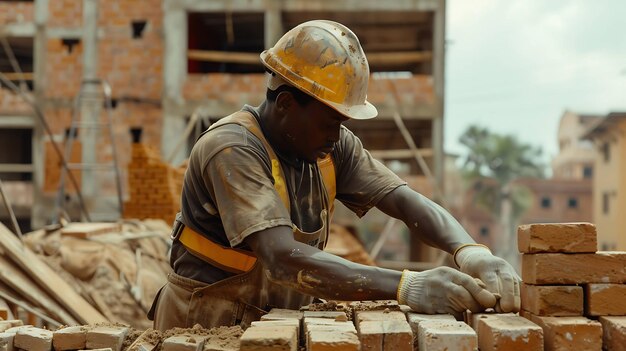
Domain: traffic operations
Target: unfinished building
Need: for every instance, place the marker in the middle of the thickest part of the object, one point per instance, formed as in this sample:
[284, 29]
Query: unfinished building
[169, 60]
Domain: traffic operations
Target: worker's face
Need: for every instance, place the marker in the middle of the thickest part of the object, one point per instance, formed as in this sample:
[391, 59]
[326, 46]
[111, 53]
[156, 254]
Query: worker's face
[313, 129]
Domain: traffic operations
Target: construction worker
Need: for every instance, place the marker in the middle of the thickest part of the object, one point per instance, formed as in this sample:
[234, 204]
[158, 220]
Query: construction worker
[258, 198]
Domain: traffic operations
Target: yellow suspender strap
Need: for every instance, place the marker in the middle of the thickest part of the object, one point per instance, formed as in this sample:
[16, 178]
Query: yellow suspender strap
[236, 260]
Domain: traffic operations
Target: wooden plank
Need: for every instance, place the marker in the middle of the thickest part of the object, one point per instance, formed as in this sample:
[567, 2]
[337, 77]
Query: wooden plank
[398, 57]
[48, 279]
[19, 76]
[224, 56]
[18, 281]
[400, 153]
[86, 230]
[374, 58]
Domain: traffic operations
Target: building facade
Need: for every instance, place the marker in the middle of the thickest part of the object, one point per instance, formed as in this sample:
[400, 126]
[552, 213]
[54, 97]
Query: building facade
[609, 184]
[168, 60]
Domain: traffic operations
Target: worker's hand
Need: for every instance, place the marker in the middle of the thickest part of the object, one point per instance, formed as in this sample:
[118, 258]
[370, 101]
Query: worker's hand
[443, 290]
[498, 275]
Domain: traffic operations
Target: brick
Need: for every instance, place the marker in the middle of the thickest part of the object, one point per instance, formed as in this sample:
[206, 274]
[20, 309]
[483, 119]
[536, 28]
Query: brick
[33, 339]
[569, 333]
[336, 315]
[554, 268]
[279, 313]
[381, 315]
[103, 337]
[385, 335]
[436, 335]
[508, 332]
[605, 300]
[4, 325]
[325, 338]
[283, 338]
[6, 341]
[414, 319]
[327, 323]
[183, 342]
[70, 338]
[557, 237]
[278, 323]
[552, 300]
[472, 319]
[614, 333]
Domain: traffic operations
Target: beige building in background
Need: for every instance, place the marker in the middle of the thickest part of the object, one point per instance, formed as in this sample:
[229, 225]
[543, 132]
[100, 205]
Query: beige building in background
[609, 184]
[576, 156]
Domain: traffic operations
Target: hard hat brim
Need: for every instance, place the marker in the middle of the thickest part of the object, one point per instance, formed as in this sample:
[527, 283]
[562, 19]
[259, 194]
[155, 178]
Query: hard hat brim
[365, 111]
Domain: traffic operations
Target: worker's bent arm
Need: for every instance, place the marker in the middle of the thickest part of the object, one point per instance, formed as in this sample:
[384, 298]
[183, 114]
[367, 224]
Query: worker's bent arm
[314, 272]
[433, 224]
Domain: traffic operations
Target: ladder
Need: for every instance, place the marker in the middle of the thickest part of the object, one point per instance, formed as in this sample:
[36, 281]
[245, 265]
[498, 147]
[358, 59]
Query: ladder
[94, 93]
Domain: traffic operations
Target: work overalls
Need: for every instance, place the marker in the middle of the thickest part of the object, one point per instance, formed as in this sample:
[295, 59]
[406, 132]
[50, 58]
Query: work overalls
[244, 297]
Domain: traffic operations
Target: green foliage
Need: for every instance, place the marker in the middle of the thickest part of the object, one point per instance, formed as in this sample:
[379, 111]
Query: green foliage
[493, 162]
[501, 157]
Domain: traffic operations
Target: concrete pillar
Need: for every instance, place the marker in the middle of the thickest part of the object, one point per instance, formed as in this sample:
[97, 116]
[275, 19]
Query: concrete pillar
[273, 23]
[41, 206]
[90, 109]
[174, 74]
[439, 37]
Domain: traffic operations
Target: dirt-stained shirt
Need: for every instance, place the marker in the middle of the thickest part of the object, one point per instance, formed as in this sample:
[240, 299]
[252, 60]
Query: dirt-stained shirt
[228, 191]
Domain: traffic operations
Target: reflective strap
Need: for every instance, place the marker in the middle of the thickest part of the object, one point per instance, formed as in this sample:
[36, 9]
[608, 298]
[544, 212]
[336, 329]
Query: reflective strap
[232, 260]
[327, 168]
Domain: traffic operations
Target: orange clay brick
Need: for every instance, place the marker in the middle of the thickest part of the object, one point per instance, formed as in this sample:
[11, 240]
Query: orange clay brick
[508, 332]
[557, 237]
[283, 338]
[33, 339]
[385, 335]
[552, 300]
[70, 338]
[380, 315]
[569, 333]
[437, 335]
[554, 268]
[605, 300]
[614, 333]
[325, 338]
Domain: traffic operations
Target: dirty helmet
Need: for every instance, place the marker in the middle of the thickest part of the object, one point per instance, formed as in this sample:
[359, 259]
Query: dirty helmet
[325, 60]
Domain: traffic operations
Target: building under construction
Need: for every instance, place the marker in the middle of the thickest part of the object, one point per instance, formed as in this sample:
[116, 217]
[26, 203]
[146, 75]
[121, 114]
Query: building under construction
[100, 103]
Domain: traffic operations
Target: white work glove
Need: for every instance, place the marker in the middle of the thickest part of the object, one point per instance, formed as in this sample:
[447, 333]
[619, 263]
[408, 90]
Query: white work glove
[443, 290]
[498, 275]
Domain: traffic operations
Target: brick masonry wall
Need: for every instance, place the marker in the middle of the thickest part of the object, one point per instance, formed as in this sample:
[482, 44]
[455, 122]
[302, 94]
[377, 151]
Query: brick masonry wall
[237, 89]
[134, 69]
[17, 12]
[154, 186]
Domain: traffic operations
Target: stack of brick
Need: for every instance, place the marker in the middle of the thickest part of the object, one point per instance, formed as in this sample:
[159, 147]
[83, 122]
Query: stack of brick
[154, 186]
[575, 293]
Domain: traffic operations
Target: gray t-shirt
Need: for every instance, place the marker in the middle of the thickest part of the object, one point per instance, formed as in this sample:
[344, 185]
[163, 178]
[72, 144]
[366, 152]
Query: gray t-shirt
[228, 191]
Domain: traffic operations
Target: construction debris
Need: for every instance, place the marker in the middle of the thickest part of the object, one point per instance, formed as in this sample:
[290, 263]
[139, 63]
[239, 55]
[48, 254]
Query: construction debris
[86, 273]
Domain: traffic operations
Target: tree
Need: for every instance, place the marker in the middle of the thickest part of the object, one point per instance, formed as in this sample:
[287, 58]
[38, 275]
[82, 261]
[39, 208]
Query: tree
[492, 164]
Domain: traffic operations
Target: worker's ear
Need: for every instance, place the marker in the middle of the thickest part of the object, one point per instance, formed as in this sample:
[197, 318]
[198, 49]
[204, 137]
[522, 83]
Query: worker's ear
[284, 101]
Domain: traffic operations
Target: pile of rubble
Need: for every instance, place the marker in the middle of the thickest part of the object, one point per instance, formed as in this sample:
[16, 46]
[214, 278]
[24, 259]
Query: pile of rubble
[85, 273]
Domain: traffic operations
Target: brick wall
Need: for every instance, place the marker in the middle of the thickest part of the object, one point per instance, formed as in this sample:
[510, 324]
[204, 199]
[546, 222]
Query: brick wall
[17, 12]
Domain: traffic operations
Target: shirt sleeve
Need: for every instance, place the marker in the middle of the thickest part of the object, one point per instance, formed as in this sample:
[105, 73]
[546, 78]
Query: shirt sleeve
[244, 193]
[362, 181]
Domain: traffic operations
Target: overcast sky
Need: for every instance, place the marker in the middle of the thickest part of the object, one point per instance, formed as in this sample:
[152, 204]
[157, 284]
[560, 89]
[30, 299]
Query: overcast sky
[514, 66]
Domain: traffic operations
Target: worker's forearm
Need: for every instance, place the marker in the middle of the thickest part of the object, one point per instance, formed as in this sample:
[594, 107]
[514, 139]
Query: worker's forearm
[425, 219]
[331, 277]
[317, 273]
